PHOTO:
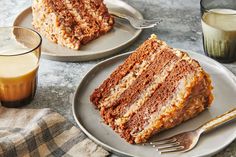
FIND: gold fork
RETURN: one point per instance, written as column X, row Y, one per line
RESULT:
column 187, row 140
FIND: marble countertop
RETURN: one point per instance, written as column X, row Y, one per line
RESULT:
column 58, row 80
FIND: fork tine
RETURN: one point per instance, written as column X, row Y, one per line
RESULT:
column 165, row 140
column 150, row 22
column 145, row 26
column 154, row 20
column 171, row 150
column 140, row 24
column 162, row 144
column 147, row 22
column 167, row 146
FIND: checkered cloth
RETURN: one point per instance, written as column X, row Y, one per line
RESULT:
column 42, row 132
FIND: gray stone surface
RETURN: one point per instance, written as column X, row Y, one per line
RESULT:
column 57, row 81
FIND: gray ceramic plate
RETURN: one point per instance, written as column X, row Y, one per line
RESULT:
column 89, row 120
column 111, row 43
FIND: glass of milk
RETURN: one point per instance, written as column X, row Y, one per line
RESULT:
column 219, row 29
column 19, row 61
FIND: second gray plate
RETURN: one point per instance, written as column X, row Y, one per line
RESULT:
column 90, row 122
column 121, row 36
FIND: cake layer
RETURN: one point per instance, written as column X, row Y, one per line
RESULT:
column 136, row 58
column 87, row 23
column 159, row 99
column 190, row 100
column 53, row 20
column 127, row 81
column 146, row 93
column 160, row 65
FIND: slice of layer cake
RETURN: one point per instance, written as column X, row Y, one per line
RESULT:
column 156, row 88
column 71, row 23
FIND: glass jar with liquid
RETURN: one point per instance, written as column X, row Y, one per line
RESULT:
column 219, row 29
column 19, row 62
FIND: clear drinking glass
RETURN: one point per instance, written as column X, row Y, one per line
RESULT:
column 219, row 29
column 19, row 61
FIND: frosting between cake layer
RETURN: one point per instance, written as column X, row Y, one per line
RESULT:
column 159, row 98
column 158, row 78
column 126, row 81
column 176, row 101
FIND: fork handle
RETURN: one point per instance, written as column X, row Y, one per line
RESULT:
column 230, row 115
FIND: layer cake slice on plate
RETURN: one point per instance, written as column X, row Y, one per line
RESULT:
column 156, row 88
column 71, row 23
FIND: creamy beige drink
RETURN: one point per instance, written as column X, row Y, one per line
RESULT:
column 18, row 77
column 219, row 34
column 19, row 62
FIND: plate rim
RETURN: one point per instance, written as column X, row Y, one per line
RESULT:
column 121, row 153
column 87, row 57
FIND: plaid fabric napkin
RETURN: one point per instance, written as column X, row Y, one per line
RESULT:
column 42, row 132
